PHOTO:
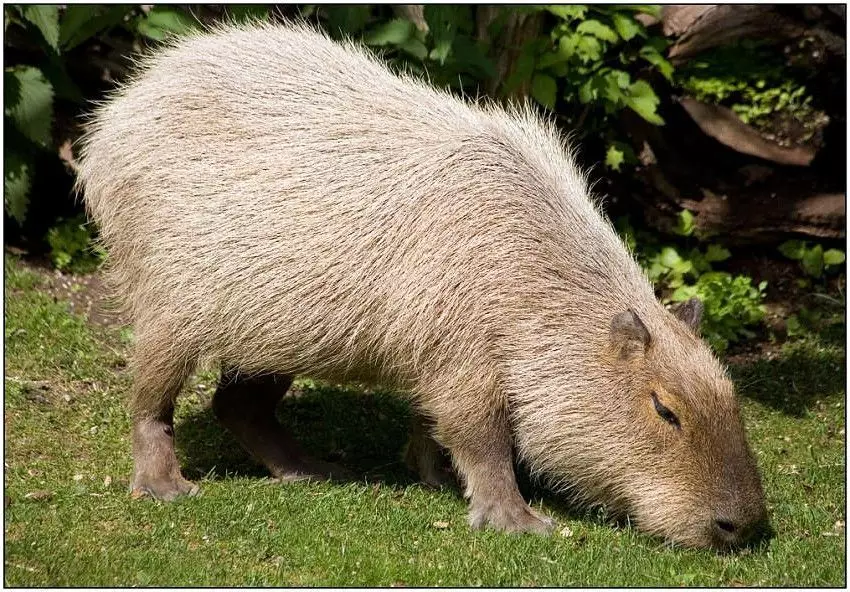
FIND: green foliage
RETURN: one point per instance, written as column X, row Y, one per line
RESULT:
column 32, row 89
column 733, row 305
column 814, row 260
column 820, row 320
column 590, row 58
column 751, row 79
column 162, row 22
column 447, row 52
column 72, row 246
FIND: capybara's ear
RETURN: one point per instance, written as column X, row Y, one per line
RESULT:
column 629, row 335
column 690, row 313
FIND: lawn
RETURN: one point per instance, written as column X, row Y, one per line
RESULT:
column 70, row 521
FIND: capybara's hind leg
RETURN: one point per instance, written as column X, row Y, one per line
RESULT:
column 157, row 382
column 246, row 407
column 424, row 456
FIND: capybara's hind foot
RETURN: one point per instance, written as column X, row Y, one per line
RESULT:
column 163, row 488
column 156, row 472
column 426, row 458
column 311, row 470
column 245, row 405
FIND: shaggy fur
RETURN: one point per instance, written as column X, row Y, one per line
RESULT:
column 285, row 204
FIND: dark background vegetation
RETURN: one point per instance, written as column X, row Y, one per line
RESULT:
column 716, row 134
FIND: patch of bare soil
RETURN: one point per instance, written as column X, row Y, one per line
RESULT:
column 84, row 293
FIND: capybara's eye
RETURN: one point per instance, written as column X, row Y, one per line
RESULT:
column 665, row 413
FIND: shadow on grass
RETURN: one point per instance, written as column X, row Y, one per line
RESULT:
column 807, row 371
column 365, row 433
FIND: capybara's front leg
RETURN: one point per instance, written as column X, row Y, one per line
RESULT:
column 494, row 498
column 477, row 433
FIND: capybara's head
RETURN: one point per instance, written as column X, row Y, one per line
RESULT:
column 656, row 435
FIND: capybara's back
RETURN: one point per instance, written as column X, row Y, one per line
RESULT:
column 284, row 204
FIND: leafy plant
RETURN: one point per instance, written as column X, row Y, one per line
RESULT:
column 590, row 65
column 732, row 303
column 753, row 81
column 72, row 246
column 446, row 52
column 814, row 260
column 32, row 88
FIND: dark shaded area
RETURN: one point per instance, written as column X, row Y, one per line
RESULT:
column 364, row 432
column 792, row 383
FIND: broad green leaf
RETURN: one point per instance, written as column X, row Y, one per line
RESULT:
column 415, row 48
column 654, row 57
column 33, row 114
column 472, row 56
column 394, row 32
column 344, row 19
column 551, row 59
column 568, row 44
column 643, row 100
column 598, row 30
column 64, row 87
column 813, row 261
column 684, row 223
column 45, row 17
column 441, row 50
column 717, row 253
column 587, row 92
column 611, row 83
column 588, row 48
column 162, row 22
column 682, row 267
column 833, row 257
column 83, row 21
column 568, row 11
column 444, row 21
column 651, row 9
column 669, row 257
column 683, row 293
column 627, row 27
column 17, row 179
column 793, row 249
column 614, row 157
column 544, row 90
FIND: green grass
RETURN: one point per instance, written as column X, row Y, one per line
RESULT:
column 70, row 520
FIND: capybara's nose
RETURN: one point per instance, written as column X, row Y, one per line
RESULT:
column 728, row 533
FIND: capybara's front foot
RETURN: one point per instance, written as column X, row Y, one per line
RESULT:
column 163, row 488
column 511, row 515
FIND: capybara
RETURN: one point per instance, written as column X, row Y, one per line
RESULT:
column 283, row 204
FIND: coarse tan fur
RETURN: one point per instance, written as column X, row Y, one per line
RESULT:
column 285, row 204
